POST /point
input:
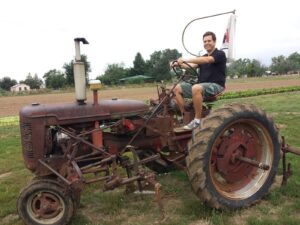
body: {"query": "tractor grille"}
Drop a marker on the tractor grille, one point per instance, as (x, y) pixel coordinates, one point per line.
(26, 133)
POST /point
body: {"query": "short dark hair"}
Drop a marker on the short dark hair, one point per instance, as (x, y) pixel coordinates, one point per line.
(209, 33)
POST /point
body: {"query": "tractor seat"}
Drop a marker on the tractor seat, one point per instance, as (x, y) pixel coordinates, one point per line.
(213, 98)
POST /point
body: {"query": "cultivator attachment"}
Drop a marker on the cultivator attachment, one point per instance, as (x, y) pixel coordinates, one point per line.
(287, 168)
(103, 165)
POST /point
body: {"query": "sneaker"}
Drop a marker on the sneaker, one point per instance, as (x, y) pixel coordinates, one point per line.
(192, 125)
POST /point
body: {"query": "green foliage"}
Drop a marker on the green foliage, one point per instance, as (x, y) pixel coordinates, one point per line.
(6, 83)
(294, 61)
(55, 79)
(34, 82)
(158, 67)
(159, 64)
(139, 65)
(251, 68)
(250, 93)
(9, 121)
(280, 64)
(113, 73)
(254, 68)
(283, 65)
(69, 72)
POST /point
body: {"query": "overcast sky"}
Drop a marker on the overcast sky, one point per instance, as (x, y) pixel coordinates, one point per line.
(37, 35)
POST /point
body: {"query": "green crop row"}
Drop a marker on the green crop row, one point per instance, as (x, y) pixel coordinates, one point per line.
(8, 121)
(266, 91)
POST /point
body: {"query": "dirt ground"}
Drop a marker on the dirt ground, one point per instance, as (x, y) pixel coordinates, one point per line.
(10, 106)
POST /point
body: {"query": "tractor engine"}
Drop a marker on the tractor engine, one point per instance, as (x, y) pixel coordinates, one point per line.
(42, 137)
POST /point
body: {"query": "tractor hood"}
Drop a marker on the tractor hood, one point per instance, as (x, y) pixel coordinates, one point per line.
(64, 113)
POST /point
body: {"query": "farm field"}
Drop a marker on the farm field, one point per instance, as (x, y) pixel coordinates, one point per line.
(10, 106)
(280, 206)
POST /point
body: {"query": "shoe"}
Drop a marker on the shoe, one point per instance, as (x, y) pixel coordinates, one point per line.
(192, 125)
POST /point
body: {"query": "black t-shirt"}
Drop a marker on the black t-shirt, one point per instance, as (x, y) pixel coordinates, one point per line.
(214, 72)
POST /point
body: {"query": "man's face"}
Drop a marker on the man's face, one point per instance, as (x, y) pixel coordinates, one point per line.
(208, 43)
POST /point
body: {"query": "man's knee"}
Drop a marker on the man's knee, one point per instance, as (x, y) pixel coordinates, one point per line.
(197, 89)
(178, 89)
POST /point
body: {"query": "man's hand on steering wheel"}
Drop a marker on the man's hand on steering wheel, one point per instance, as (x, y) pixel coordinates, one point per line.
(181, 62)
(177, 63)
(179, 66)
(174, 64)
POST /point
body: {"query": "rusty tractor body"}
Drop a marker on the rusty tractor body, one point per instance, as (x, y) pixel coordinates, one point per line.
(231, 159)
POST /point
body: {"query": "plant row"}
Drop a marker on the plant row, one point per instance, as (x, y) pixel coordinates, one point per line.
(257, 92)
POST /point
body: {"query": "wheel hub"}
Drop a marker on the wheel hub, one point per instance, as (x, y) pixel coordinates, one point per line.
(232, 146)
(46, 206)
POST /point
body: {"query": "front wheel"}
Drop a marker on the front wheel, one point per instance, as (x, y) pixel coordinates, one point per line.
(215, 164)
(45, 203)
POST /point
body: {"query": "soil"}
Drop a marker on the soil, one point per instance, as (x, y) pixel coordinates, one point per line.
(10, 106)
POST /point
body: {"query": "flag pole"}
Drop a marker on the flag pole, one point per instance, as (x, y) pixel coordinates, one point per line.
(200, 18)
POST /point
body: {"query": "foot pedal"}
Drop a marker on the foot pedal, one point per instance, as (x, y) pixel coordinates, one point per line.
(180, 130)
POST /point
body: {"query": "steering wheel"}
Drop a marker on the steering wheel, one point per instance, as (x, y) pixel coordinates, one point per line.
(187, 77)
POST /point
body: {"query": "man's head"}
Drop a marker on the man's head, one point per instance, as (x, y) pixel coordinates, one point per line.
(209, 41)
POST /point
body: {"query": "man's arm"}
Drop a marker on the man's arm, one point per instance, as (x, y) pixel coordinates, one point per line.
(197, 60)
(183, 65)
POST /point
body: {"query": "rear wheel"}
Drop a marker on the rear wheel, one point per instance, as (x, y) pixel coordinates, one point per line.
(45, 203)
(215, 167)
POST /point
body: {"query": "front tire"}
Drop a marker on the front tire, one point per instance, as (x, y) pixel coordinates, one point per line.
(216, 175)
(45, 203)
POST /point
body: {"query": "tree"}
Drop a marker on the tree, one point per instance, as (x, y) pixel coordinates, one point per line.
(139, 65)
(70, 72)
(34, 82)
(251, 68)
(238, 67)
(55, 79)
(6, 83)
(113, 73)
(159, 64)
(293, 61)
(255, 68)
(280, 65)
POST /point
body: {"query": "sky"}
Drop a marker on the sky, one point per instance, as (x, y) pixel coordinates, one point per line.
(38, 35)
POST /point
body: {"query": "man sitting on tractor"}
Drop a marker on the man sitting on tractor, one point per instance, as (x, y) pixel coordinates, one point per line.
(211, 78)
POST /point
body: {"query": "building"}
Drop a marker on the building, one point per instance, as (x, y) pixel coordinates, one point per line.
(20, 87)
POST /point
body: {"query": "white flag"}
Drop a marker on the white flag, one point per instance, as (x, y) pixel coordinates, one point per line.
(228, 40)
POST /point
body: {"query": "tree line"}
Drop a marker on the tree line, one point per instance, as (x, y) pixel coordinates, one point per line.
(54, 79)
(254, 68)
(157, 67)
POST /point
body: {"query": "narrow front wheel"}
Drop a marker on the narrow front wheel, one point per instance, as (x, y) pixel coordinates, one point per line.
(45, 203)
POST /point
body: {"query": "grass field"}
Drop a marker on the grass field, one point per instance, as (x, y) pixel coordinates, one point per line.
(280, 206)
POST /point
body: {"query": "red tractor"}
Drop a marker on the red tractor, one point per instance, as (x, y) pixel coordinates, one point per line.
(231, 159)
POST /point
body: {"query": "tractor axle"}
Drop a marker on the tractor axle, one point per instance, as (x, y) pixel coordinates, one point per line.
(253, 162)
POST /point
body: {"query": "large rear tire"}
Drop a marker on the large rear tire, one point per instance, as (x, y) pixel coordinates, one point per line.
(217, 176)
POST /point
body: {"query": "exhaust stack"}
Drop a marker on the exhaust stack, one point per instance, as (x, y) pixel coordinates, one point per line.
(79, 72)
